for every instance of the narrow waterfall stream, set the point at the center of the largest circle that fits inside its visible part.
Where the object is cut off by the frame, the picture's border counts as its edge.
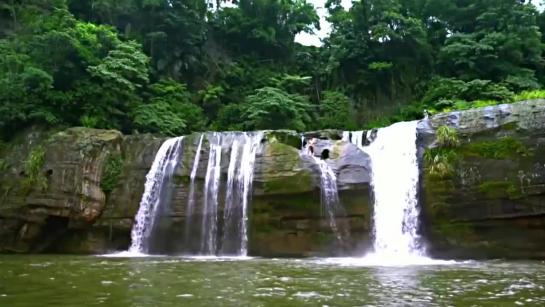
(192, 187)
(210, 205)
(157, 180)
(329, 194)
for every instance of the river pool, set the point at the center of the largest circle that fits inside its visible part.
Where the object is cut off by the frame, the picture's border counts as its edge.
(170, 281)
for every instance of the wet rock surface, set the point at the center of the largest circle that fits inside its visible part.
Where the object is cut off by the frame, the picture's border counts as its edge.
(493, 203)
(74, 214)
(83, 196)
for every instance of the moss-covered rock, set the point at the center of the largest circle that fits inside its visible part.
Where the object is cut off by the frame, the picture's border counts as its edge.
(491, 203)
(71, 172)
(287, 137)
(281, 170)
(502, 148)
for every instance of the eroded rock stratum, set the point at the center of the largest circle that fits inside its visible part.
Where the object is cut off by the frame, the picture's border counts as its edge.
(492, 204)
(83, 195)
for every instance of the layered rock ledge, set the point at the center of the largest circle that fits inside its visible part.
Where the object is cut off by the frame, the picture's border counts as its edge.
(78, 190)
(492, 203)
(83, 196)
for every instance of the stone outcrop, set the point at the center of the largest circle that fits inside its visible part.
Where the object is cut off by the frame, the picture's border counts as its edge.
(76, 212)
(482, 196)
(492, 203)
(62, 206)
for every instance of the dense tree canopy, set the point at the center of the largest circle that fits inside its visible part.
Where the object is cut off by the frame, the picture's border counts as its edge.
(176, 66)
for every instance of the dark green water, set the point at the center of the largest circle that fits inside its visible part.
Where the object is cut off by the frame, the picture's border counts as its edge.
(87, 281)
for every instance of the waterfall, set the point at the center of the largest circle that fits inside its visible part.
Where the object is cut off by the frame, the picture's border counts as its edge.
(394, 180)
(211, 187)
(395, 185)
(243, 148)
(239, 186)
(157, 178)
(329, 195)
(191, 197)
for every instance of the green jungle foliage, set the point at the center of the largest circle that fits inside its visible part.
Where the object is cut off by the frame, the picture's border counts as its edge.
(176, 66)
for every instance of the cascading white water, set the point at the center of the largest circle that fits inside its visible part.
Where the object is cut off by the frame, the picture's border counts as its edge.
(211, 187)
(329, 196)
(394, 180)
(191, 196)
(161, 170)
(239, 185)
(245, 179)
(231, 176)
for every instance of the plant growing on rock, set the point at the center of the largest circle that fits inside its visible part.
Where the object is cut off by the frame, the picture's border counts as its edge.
(33, 170)
(447, 137)
(111, 172)
(440, 160)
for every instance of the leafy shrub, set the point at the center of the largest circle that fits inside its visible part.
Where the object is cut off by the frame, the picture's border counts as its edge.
(229, 118)
(273, 108)
(440, 162)
(158, 118)
(336, 111)
(111, 172)
(169, 112)
(528, 95)
(486, 90)
(444, 92)
(444, 89)
(89, 121)
(523, 82)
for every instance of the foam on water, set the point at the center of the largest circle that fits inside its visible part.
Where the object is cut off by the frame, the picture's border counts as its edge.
(128, 254)
(376, 260)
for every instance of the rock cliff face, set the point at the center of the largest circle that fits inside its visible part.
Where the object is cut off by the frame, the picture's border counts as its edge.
(52, 190)
(492, 203)
(83, 194)
(78, 190)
